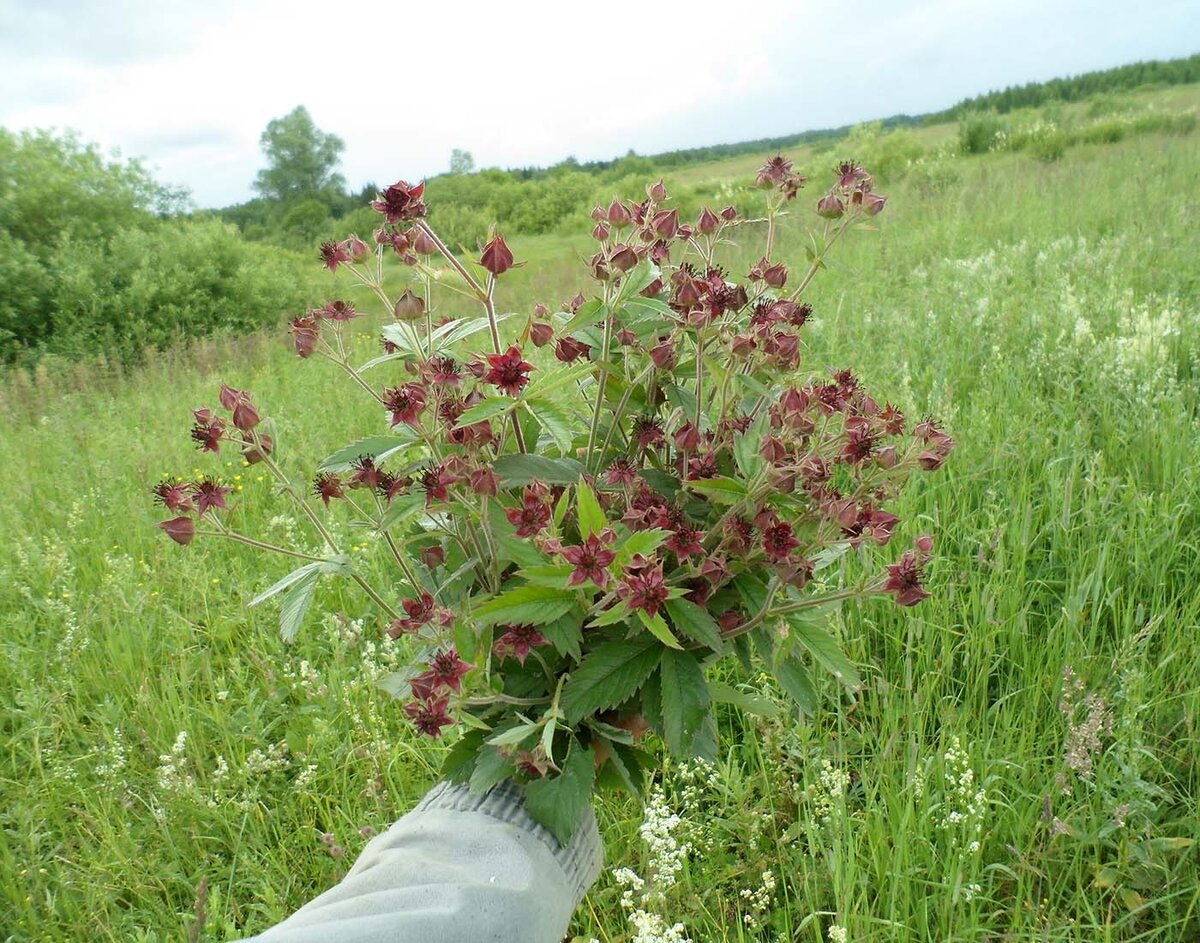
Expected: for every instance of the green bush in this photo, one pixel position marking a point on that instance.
(977, 132)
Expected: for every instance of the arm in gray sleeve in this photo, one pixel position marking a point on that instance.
(458, 867)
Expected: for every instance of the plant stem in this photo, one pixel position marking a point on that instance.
(261, 545)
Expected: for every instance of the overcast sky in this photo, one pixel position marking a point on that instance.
(189, 86)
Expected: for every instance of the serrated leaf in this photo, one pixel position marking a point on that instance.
(490, 408)
(490, 769)
(795, 680)
(724, 490)
(685, 699)
(532, 604)
(460, 760)
(753, 592)
(589, 313)
(547, 383)
(612, 615)
(557, 422)
(609, 674)
(635, 281)
(558, 802)
(641, 541)
(657, 626)
(743, 700)
(296, 600)
(513, 736)
(591, 515)
(519, 470)
(825, 650)
(639, 306)
(403, 508)
(463, 328)
(282, 584)
(695, 623)
(565, 634)
(683, 399)
(377, 447)
(547, 574)
(746, 446)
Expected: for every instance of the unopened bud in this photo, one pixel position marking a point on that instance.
(830, 206)
(541, 333)
(729, 213)
(873, 203)
(409, 307)
(618, 215)
(600, 232)
(657, 191)
(623, 258)
(707, 222)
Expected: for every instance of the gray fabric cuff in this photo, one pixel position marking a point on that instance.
(580, 859)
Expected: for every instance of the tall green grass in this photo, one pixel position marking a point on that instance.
(1047, 312)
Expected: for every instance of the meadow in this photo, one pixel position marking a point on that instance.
(1019, 764)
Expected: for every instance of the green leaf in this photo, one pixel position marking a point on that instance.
(558, 802)
(635, 281)
(612, 615)
(589, 313)
(640, 541)
(685, 699)
(463, 328)
(547, 383)
(519, 470)
(565, 634)
(460, 760)
(695, 623)
(278, 587)
(657, 626)
(513, 736)
(403, 508)
(296, 600)
(534, 604)
(753, 592)
(609, 674)
(795, 680)
(559, 423)
(652, 702)
(724, 490)
(591, 515)
(746, 446)
(490, 408)
(825, 650)
(490, 768)
(508, 545)
(640, 307)
(743, 700)
(683, 399)
(377, 447)
(547, 574)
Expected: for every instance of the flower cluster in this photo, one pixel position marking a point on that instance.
(576, 536)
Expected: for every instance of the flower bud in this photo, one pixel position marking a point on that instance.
(657, 191)
(623, 258)
(664, 355)
(599, 266)
(179, 529)
(626, 337)
(497, 258)
(598, 213)
(433, 556)
(484, 481)
(707, 222)
(305, 332)
(245, 416)
(254, 453)
(409, 307)
(618, 215)
(359, 251)
(775, 275)
(229, 397)
(569, 350)
(541, 333)
(666, 223)
(687, 437)
(886, 457)
(873, 203)
(830, 206)
(729, 213)
(600, 232)
(422, 243)
(541, 311)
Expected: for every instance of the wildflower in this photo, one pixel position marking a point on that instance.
(779, 541)
(497, 258)
(664, 355)
(518, 642)
(441, 371)
(707, 222)
(366, 475)
(645, 589)
(446, 670)
(337, 310)
(533, 514)
(401, 201)
(685, 542)
(618, 215)
(174, 496)
(436, 481)
(419, 611)
(666, 223)
(179, 529)
(541, 333)
(484, 481)
(209, 493)
(648, 432)
(405, 403)
(208, 434)
(408, 307)
(621, 472)
(508, 371)
(429, 715)
(333, 254)
(305, 332)
(568, 349)
(327, 486)
(590, 560)
(358, 250)
(904, 579)
(830, 206)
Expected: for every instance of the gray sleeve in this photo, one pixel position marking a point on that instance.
(458, 867)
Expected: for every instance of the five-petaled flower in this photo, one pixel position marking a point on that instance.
(533, 514)
(401, 201)
(904, 580)
(429, 715)
(508, 370)
(209, 493)
(518, 642)
(644, 588)
(591, 560)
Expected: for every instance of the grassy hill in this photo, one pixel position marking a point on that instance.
(167, 755)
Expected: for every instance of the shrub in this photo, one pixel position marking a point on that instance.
(977, 131)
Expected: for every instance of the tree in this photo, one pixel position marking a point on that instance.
(461, 162)
(302, 159)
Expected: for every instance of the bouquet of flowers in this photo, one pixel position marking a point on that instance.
(578, 539)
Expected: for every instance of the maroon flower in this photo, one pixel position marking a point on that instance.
(418, 611)
(644, 589)
(207, 434)
(179, 529)
(664, 355)
(484, 481)
(590, 560)
(666, 223)
(618, 215)
(447, 669)
(648, 432)
(904, 579)
(518, 642)
(860, 440)
(429, 716)
(209, 493)
(497, 258)
(401, 201)
(441, 371)
(333, 254)
(173, 495)
(621, 472)
(569, 350)
(685, 541)
(327, 486)
(508, 371)
(366, 475)
(336, 310)
(405, 403)
(779, 541)
(436, 482)
(533, 514)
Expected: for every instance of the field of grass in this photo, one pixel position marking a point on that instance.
(1021, 763)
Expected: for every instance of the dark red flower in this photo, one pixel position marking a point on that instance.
(429, 716)
(441, 371)
(209, 493)
(904, 579)
(497, 258)
(327, 486)
(648, 432)
(508, 371)
(436, 481)
(779, 541)
(685, 541)
(179, 529)
(405, 403)
(645, 589)
(621, 472)
(257, 448)
(208, 434)
(518, 642)
(533, 514)
(366, 475)
(484, 481)
(173, 495)
(569, 350)
(860, 440)
(333, 254)
(447, 669)
(305, 332)
(401, 201)
(590, 560)
(336, 310)
(418, 612)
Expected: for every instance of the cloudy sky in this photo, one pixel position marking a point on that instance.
(189, 86)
